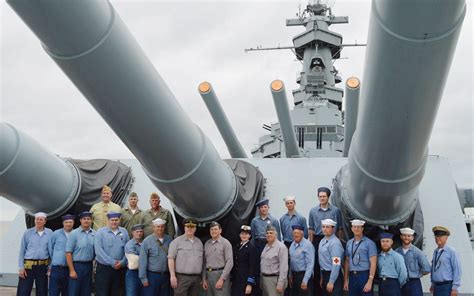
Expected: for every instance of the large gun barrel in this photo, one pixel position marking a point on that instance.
(33, 177)
(409, 52)
(351, 100)
(91, 44)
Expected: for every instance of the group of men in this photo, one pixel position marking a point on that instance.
(285, 257)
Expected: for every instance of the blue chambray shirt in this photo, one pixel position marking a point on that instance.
(317, 214)
(259, 226)
(330, 255)
(133, 247)
(153, 256)
(34, 246)
(302, 258)
(447, 267)
(80, 244)
(110, 247)
(416, 262)
(360, 260)
(57, 247)
(286, 221)
(392, 265)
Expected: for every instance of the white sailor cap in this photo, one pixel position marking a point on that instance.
(159, 221)
(407, 230)
(40, 215)
(357, 222)
(289, 197)
(328, 222)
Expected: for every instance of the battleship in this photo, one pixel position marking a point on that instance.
(366, 138)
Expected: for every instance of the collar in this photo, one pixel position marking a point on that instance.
(387, 253)
(268, 217)
(153, 211)
(86, 231)
(118, 230)
(129, 209)
(327, 209)
(217, 240)
(37, 231)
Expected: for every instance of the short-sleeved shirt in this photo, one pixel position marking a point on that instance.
(218, 254)
(150, 215)
(188, 255)
(34, 245)
(80, 244)
(287, 220)
(259, 226)
(330, 254)
(109, 246)
(416, 262)
(99, 213)
(274, 260)
(359, 252)
(302, 258)
(57, 247)
(318, 214)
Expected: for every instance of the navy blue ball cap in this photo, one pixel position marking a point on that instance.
(262, 202)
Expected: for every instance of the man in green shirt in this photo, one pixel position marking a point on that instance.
(157, 211)
(131, 215)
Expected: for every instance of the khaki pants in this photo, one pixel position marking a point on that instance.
(269, 285)
(188, 285)
(212, 278)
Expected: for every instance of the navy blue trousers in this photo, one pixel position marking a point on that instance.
(337, 290)
(442, 290)
(82, 286)
(108, 281)
(58, 280)
(412, 288)
(389, 287)
(133, 285)
(159, 285)
(317, 269)
(37, 275)
(357, 283)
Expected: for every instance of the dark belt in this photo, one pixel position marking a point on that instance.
(214, 269)
(159, 272)
(384, 278)
(357, 271)
(298, 272)
(442, 283)
(83, 262)
(189, 274)
(270, 274)
(59, 266)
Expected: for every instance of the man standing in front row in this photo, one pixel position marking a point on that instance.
(289, 219)
(153, 262)
(185, 260)
(445, 266)
(109, 244)
(274, 265)
(361, 262)
(330, 260)
(324, 210)
(415, 261)
(301, 263)
(133, 286)
(218, 262)
(59, 273)
(33, 258)
(79, 256)
(391, 268)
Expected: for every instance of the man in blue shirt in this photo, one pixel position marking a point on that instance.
(109, 244)
(361, 262)
(445, 266)
(330, 256)
(301, 263)
(289, 219)
(317, 214)
(415, 261)
(391, 268)
(153, 262)
(34, 257)
(133, 286)
(79, 256)
(59, 273)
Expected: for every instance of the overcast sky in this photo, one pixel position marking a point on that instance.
(190, 42)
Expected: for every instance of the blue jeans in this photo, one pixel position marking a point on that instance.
(412, 288)
(82, 286)
(58, 280)
(133, 285)
(389, 287)
(442, 289)
(36, 274)
(357, 282)
(159, 284)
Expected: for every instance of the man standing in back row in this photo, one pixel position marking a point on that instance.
(99, 210)
(157, 211)
(289, 219)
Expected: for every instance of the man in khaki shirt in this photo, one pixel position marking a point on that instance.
(218, 262)
(99, 210)
(185, 261)
(274, 265)
(157, 211)
(131, 215)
